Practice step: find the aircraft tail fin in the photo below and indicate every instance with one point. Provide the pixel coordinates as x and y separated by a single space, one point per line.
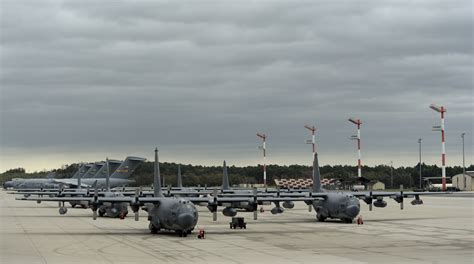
180 180
82 169
225 178
316 174
95 167
102 172
127 167
157 179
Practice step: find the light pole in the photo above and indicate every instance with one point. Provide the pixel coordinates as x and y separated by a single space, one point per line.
357 122
463 164
441 110
264 148
419 143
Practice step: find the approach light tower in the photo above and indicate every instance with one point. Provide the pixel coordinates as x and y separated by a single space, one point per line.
442 110
264 148
312 141
357 137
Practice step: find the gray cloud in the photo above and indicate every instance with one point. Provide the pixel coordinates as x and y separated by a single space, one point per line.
86 79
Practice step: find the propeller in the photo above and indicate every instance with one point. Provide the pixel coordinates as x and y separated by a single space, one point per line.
135 206
94 204
370 205
214 212
401 200
255 204
310 205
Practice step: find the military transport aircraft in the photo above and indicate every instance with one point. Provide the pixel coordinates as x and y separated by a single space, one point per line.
170 213
179 214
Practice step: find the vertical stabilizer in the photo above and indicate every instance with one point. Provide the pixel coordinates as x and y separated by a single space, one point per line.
83 169
225 178
157 180
107 178
102 172
127 167
180 180
79 181
93 170
316 175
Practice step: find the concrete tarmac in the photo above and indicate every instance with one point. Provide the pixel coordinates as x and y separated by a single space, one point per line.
439 231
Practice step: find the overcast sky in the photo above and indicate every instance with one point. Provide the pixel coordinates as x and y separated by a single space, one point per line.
82 80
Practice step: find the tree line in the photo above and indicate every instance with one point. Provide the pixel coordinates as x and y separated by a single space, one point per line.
194 175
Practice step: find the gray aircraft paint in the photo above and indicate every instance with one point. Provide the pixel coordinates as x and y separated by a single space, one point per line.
127 167
93 170
102 172
341 205
82 170
225 178
174 214
119 178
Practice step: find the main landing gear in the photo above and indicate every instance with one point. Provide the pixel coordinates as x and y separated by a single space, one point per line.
153 228
321 218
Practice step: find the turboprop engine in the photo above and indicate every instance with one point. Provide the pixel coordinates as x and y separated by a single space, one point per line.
288 204
380 202
276 210
229 211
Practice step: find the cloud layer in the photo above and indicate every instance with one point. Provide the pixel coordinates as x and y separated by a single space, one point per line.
82 80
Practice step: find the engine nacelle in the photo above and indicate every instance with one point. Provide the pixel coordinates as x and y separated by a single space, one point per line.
62 210
229 211
212 208
276 210
288 204
367 199
417 202
380 203
398 198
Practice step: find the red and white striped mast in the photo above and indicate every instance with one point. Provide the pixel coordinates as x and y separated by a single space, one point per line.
312 141
264 148
442 110
357 122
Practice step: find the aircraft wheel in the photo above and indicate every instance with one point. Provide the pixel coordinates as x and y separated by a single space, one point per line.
101 213
152 228
321 218
347 220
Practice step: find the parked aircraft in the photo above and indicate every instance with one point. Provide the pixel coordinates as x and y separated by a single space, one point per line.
169 213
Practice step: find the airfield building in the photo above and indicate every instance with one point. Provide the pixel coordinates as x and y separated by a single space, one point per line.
464 182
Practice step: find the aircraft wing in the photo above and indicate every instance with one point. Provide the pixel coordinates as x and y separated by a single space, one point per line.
56 199
70 182
395 194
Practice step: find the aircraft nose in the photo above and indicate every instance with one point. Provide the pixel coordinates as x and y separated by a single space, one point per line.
186 221
352 211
